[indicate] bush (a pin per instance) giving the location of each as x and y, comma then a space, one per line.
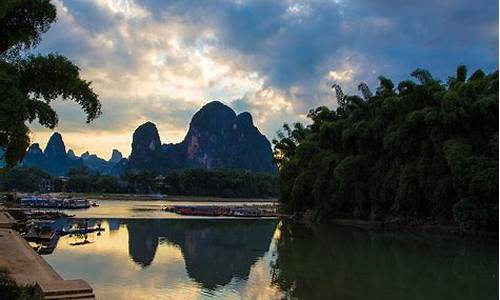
9, 290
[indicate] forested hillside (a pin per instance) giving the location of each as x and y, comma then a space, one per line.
423, 149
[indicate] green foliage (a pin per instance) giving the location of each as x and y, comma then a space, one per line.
9, 290
196, 182
219, 183
423, 150
22, 22
25, 180
29, 83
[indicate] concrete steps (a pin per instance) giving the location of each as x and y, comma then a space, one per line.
26, 267
71, 297
65, 290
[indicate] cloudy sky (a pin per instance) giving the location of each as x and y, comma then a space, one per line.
162, 60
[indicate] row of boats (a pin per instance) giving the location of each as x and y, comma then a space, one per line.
42, 228
43, 235
222, 211
47, 201
58, 202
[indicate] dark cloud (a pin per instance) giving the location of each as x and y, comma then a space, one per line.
290, 48
295, 43
293, 48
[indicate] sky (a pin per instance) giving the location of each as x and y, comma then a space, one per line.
161, 61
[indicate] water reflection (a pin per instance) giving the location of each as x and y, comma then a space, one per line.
261, 259
185, 258
215, 251
345, 263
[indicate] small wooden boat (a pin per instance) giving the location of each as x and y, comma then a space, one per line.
80, 230
39, 231
85, 242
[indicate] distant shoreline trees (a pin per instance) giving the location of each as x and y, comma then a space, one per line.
191, 182
424, 149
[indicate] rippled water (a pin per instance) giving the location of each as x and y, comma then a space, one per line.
270, 259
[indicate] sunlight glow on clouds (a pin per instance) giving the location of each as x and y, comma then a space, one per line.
162, 60
342, 76
125, 8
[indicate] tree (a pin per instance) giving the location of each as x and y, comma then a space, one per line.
29, 83
25, 179
423, 150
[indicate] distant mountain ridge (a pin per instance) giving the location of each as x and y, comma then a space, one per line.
56, 161
217, 138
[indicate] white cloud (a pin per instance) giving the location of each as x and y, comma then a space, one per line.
124, 8
341, 75
161, 70
161, 61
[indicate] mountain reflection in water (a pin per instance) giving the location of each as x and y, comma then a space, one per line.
267, 259
215, 251
157, 258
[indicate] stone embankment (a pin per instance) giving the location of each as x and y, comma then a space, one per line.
27, 267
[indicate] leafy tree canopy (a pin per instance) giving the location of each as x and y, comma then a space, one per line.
28, 83
420, 150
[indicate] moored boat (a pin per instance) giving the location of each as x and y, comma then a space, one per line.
221, 211
46, 201
80, 230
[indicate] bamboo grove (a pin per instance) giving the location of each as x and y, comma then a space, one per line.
421, 150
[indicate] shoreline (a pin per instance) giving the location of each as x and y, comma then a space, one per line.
447, 230
28, 268
162, 197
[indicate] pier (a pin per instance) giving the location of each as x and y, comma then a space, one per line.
26, 267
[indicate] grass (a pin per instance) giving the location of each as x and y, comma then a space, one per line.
9, 290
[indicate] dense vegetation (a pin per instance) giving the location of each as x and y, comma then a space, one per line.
222, 183
26, 180
9, 290
421, 150
28, 83
200, 182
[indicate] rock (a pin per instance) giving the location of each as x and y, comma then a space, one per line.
116, 156
54, 159
147, 153
95, 163
55, 149
71, 154
217, 139
35, 157
120, 167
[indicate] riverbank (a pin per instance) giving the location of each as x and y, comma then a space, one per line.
28, 268
411, 227
173, 198
399, 224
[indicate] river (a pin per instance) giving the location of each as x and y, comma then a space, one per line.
142, 254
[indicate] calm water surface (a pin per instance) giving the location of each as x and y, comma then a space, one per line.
137, 209
270, 259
